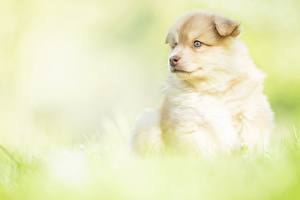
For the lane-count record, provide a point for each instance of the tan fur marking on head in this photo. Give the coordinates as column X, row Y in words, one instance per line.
column 207, row 27
column 199, row 26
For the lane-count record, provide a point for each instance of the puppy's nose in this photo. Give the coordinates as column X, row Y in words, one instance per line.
column 174, row 60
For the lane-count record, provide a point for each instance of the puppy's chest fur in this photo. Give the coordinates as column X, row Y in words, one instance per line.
column 191, row 112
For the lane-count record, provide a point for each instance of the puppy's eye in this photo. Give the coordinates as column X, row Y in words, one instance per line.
column 174, row 45
column 197, row 44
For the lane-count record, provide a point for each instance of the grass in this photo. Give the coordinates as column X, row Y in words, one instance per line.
column 86, row 172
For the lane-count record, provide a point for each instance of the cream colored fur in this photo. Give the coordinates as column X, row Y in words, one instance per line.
column 216, row 105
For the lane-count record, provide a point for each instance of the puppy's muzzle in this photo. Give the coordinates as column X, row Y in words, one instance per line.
column 174, row 60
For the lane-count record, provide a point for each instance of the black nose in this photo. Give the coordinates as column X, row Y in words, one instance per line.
column 174, row 60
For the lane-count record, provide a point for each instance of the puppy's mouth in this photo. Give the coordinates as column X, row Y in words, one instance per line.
column 175, row 70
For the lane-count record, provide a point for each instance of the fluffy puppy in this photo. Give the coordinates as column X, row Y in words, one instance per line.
column 214, row 99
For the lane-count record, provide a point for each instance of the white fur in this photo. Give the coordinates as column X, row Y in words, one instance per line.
column 218, row 108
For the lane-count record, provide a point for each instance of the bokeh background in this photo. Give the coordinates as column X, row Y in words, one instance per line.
column 68, row 68
column 80, row 72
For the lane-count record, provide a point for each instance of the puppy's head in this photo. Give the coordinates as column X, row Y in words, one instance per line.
column 201, row 45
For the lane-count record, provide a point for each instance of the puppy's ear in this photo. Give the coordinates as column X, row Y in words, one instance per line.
column 168, row 38
column 226, row 27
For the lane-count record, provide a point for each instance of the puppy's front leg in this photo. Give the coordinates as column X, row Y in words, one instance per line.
column 256, row 126
column 255, row 136
column 147, row 135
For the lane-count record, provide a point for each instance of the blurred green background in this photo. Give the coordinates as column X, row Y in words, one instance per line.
column 69, row 66
column 79, row 72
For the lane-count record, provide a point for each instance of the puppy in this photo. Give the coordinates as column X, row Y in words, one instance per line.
column 214, row 99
